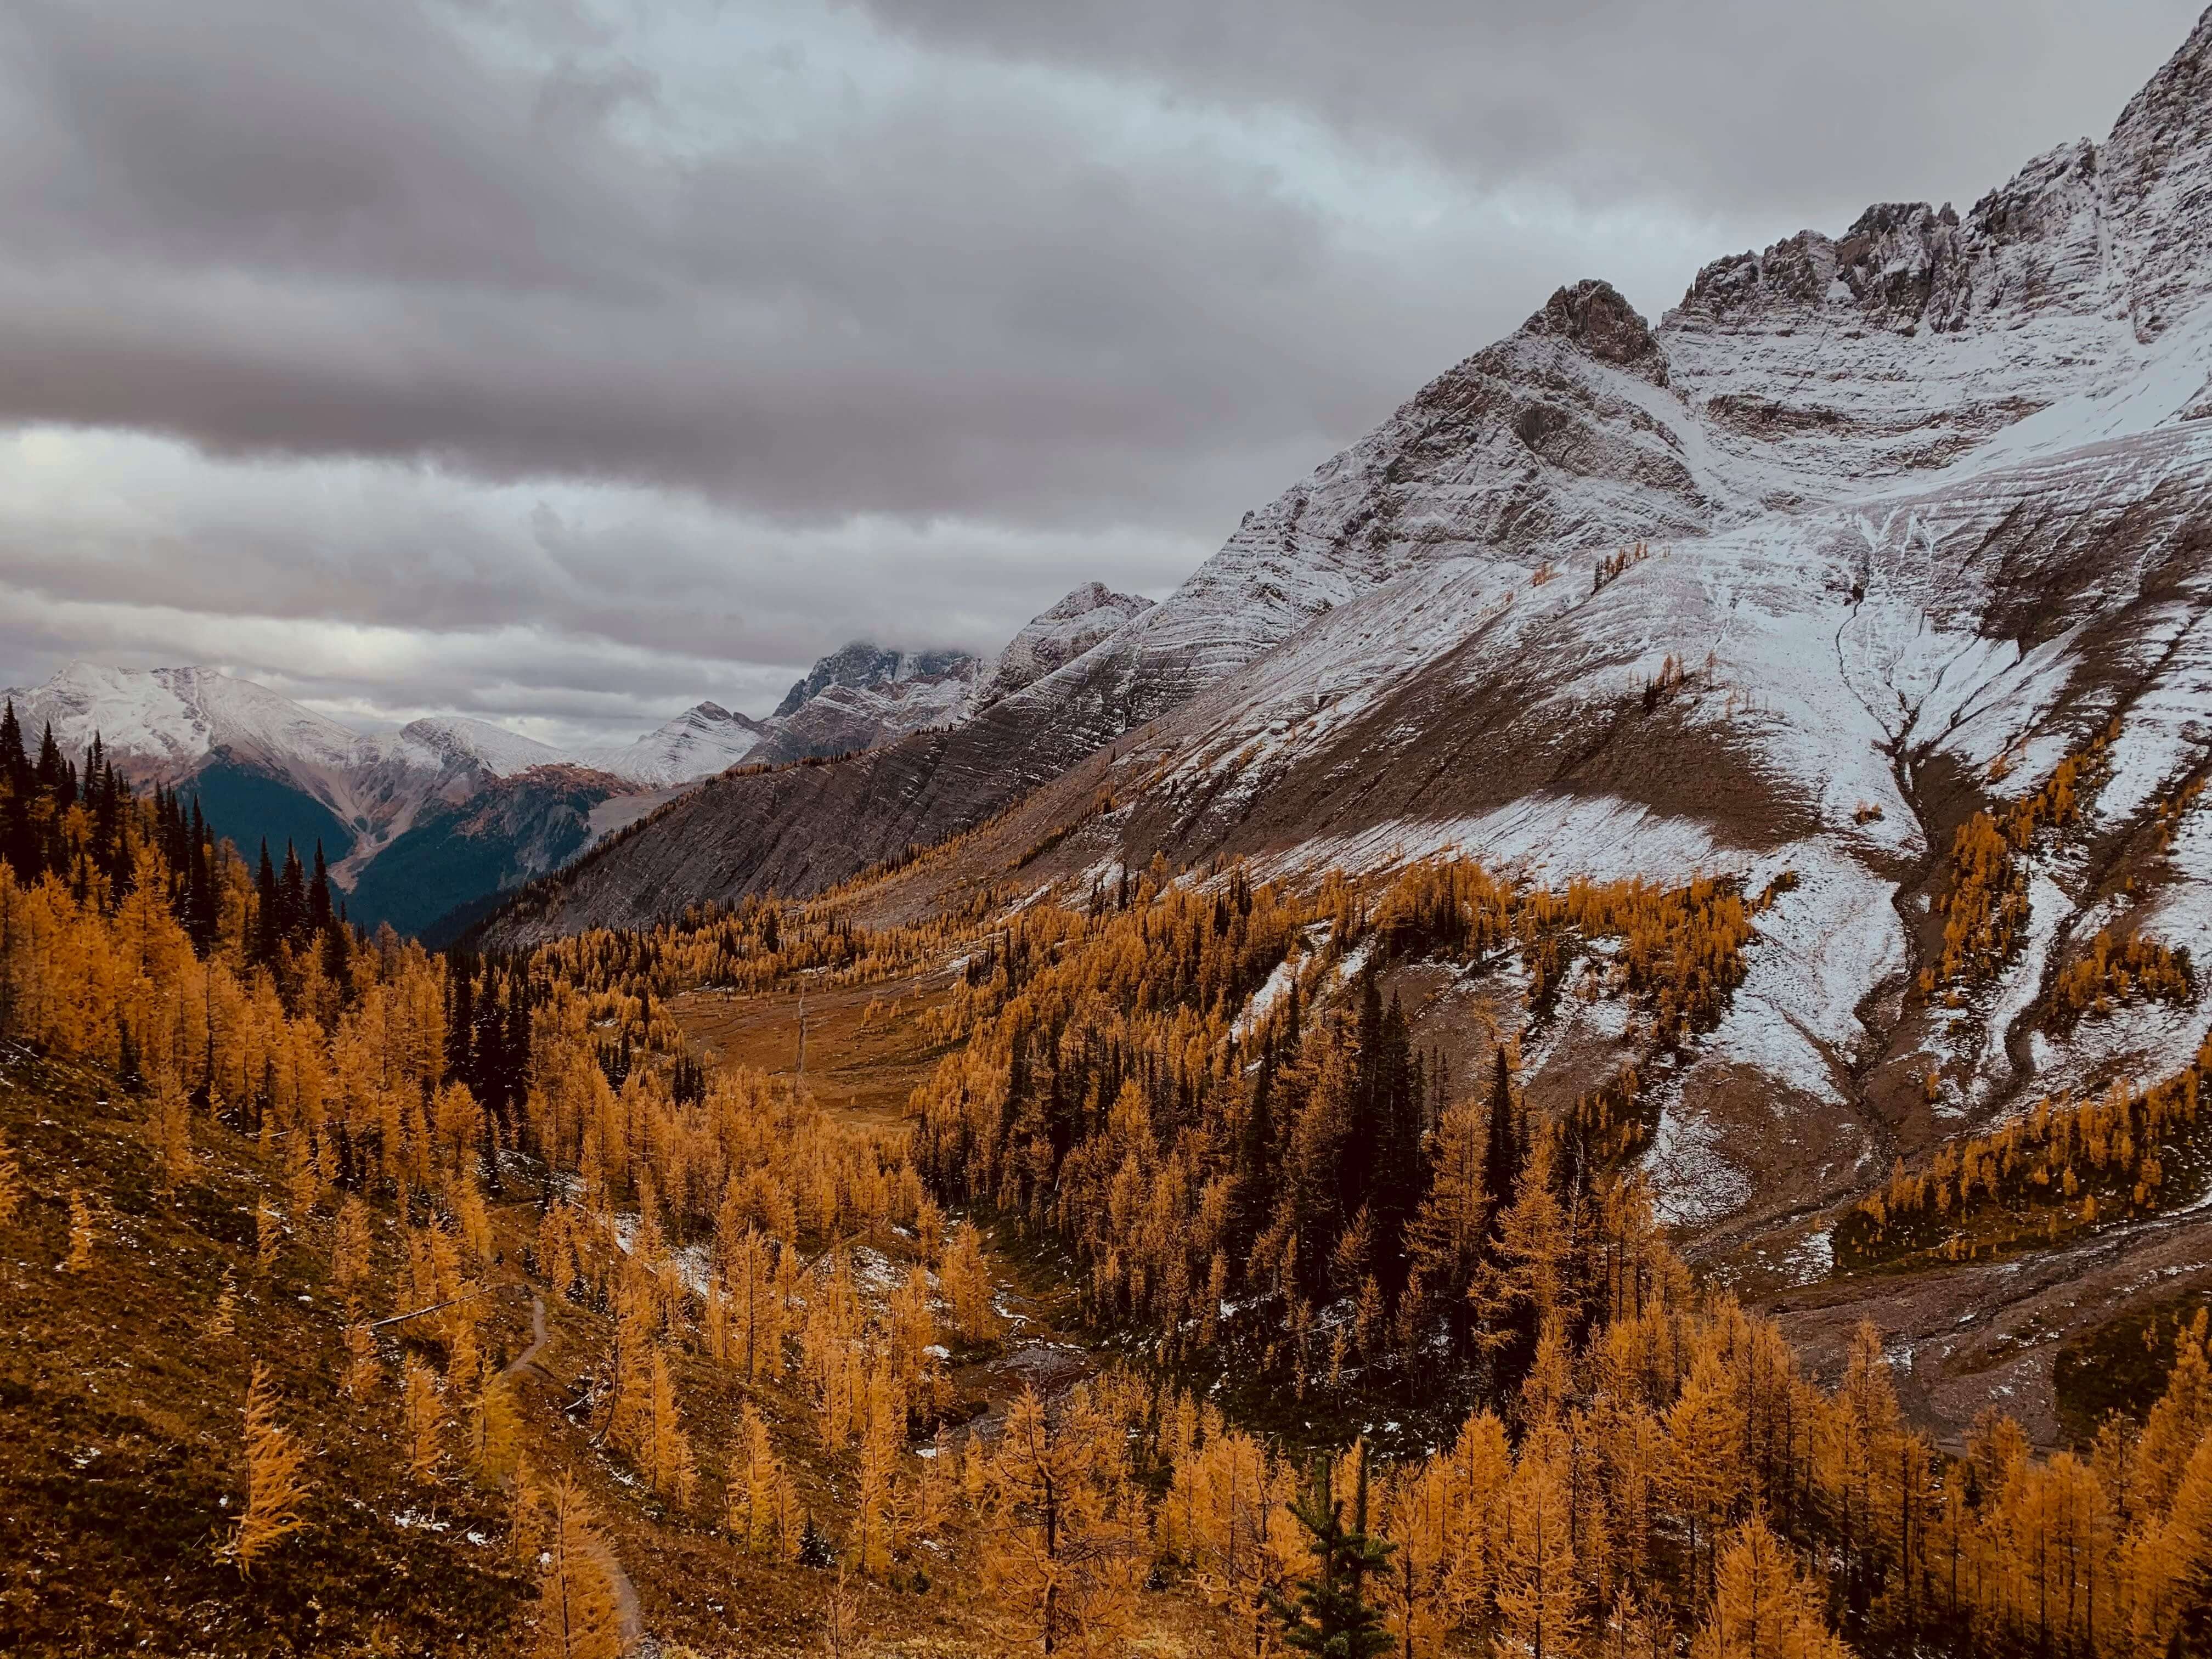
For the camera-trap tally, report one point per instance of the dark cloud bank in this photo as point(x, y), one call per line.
point(535, 360)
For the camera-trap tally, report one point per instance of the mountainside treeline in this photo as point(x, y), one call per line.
point(1154, 1081)
point(1646, 1466)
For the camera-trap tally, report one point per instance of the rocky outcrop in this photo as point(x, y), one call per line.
point(1054, 638)
point(1593, 316)
point(2157, 171)
point(864, 665)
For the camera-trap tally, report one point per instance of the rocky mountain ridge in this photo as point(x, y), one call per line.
point(1871, 534)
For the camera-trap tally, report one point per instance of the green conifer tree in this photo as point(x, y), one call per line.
point(1332, 1617)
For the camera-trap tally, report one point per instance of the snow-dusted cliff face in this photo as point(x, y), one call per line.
point(1869, 531)
point(865, 665)
point(864, 696)
point(1055, 638)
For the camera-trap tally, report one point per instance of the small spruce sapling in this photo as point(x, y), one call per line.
point(1332, 1616)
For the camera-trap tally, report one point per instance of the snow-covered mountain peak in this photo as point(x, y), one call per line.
point(1056, 637)
point(458, 740)
point(168, 719)
point(704, 740)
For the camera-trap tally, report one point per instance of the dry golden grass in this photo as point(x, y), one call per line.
point(866, 1051)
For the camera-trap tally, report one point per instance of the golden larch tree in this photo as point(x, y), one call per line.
point(525, 1511)
point(578, 1616)
point(1051, 1558)
point(878, 1518)
point(1704, 1443)
point(11, 1183)
point(752, 1516)
point(363, 1371)
point(422, 1408)
point(173, 1132)
point(673, 1470)
point(965, 1279)
point(274, 1490)
point(81, 1233)
point(494, 1427)
point(350, 1246)
point(1541, 1593)
point(1763, 1607)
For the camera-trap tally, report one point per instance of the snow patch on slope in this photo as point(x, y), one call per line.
point(1602, 837)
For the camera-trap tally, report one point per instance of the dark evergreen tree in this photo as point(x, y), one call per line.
point(319, 914)
point(292, 899)
point(461, 1023)
point(202, 903)
point(268, 927)
point(18, 839)
point(1260, 1124)
point(14, 763)
point(1332, 1616)
point(123, 863)
point(338, 955)
point(50, 775)
point(1401, 1172)
point(1501, 1151)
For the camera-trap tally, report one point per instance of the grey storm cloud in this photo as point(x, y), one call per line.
point(350, 230)
point(1722, 106)
point(565, 362)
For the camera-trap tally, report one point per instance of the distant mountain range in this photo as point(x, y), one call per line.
point(424, 827)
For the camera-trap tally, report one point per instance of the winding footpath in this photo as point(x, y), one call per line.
point(631, 1618)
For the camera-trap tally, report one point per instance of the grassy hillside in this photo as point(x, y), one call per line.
point(120, 1400)
point(122, 1468)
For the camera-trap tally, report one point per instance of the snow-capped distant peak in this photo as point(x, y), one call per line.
point(167, 719)
point(704, 740)
point(457, 740)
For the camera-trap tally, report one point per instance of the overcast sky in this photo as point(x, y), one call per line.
point(565, 362)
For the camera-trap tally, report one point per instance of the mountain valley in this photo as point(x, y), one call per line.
point(1593, 1041)
point(425, 827)
point(1861, 543)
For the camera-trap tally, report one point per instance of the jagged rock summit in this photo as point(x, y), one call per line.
point(1052, 639)
point(864, 665)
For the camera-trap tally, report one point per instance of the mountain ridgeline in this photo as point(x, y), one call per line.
point(1877, 573)
point(426, 827)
